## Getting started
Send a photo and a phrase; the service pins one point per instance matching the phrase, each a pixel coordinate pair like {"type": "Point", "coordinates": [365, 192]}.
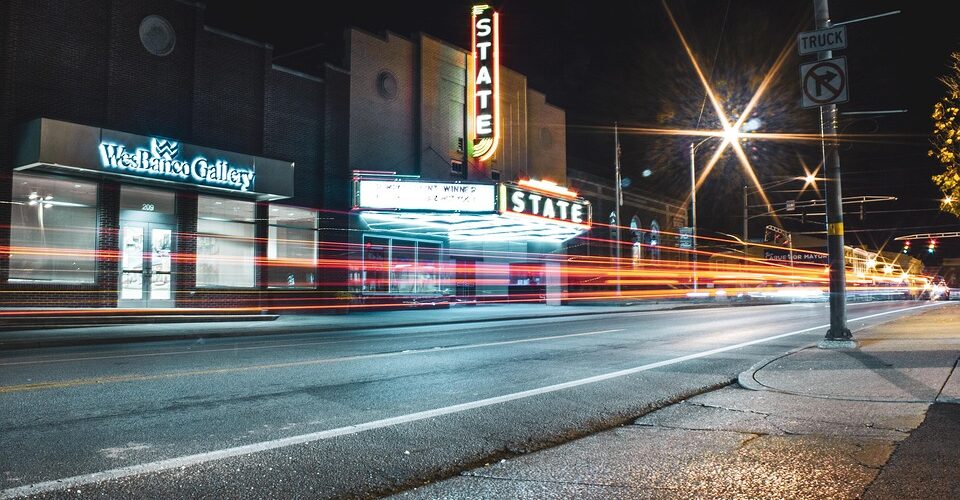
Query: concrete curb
{"type": "Point", "coordinates": [747, 379]}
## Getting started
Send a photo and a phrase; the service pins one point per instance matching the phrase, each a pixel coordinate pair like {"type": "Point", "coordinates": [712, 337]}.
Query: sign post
{"type": "Point", "coordinates": [686, 237]}
{"type": "Point", "coordinates": [824, 85]}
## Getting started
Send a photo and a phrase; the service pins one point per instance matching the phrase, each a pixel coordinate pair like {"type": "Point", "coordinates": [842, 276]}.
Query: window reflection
{"type": "Point", "coordinates": [53, 227]}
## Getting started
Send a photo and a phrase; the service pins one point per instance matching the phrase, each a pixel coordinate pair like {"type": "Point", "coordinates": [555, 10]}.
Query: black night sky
{"type": "Point", "coordinates": [606, 62]}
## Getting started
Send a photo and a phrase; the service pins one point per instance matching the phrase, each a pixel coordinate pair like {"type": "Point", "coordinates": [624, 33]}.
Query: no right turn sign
{"type": "Point", "coordinates": [824, 82]}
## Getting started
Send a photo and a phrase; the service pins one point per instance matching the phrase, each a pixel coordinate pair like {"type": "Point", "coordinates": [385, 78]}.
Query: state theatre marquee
{"type": "Point", "coordinates": [528, 210]}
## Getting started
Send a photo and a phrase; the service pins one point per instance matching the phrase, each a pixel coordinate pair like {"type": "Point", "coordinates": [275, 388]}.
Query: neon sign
{"type": "Point", "coordinates": [542, 204]}
{"type": "Point", "coordinates": [162, 160]}
{"type": "Point", "coordinates": [486, 81]}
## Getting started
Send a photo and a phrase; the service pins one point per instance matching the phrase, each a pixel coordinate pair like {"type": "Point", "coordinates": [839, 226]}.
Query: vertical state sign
{"type": "Point", "coordinates": [486, 81]}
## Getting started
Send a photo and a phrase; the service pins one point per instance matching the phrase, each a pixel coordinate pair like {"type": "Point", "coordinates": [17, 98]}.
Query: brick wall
{"type": "Point", "coordinates": [334, 220]}
{"type": "Point", "coordinates": [108, 243]}
{"type": "Point", "coordinates": [228, 96]}
{"type": "Point", "coordinates": [293, 128]}
{"type": "Point", "coordinates": [511, 156]}
{"type": "Point", "coordinates": [547, 140]}
{"type": "Point", "coordinates": [148, 94]}
{"type": "Point", "coordinates": [184, 265]}
{"type": "Point", "coordinates": [383, 128]}
{"type": "Point", "coordinates": [443, 80]}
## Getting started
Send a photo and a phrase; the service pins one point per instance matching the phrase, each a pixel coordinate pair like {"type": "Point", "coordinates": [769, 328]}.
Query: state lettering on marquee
{"type": "Point", "coordinates": [540, 204]}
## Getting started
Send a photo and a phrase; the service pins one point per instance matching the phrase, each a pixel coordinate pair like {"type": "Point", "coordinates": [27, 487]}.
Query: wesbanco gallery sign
{"type": "Point", "coordinates": [55, 145]}
{"type": "Point", "coordinates": [162, 159]}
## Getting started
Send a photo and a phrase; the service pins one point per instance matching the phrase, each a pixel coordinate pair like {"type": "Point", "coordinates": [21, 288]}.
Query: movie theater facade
{"type": "Point", "coordinates": [169, 164]}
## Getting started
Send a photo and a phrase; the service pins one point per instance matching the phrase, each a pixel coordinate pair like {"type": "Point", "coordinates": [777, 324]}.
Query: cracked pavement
{"type": "Point", "coordinates": [824, 424]}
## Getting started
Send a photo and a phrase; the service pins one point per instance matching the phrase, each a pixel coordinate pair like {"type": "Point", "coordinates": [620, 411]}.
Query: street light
{"type": "Point", "coordinates": [619, 198]}
{"type": "Point", "coordinates": [731, 134]}
{"type": "Point", "coordinates": [693, 202]}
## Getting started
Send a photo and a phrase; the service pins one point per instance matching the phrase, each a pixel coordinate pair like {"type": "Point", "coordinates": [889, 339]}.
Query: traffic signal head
{"type": "Point", "coordinates": [932, 246]}
{"type": "Point", "coordinates": [906, 246]}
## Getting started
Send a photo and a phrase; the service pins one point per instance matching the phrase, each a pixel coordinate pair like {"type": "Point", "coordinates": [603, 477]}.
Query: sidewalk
{"type": "Point", "coordinates": [880, 421]}
{"type": "Point", "coordinates": [12, 337]}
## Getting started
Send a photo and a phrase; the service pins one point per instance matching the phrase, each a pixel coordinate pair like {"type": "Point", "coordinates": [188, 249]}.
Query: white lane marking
{"type": "Point", "coordinates": [199, 458]}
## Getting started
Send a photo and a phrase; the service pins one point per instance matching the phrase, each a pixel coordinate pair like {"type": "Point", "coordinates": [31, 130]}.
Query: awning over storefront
{"type": "Point", "coordinates": [54, 145]}
{"type": "Point", "coordinates": [486, 227]}
{"type": "Point", "coordinates": [526, 211]}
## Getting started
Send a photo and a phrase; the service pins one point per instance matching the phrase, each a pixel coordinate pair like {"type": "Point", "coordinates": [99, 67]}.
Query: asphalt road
{"type": "Point", "coordinates": [362, 413]}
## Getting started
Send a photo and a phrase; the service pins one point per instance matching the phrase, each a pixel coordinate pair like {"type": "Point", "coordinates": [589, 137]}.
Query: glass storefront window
{"type": "Point", "coordinates": [403, 270]}
{"type": "Point", "coordinates": [376, 264]}
{"type": "Point", "coordinates": [292, 247]}
{"type": "Point", "coordinates": [53, 230]}
{"type": "Point", "coordinates": [428, 267]}
{"type": "Point", "coordinates": [401, 266]}
{"type": "Point", "coordinates": [225, 242]}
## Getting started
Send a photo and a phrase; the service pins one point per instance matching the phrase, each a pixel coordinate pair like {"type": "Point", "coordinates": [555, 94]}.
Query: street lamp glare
{"type": "Point", "coordinates": [810, 179]}
{"type": "Point", "coordinates": [751, 125]}
{"type": "Point", "coordinates": [731, 134]}
{"type": "Point", "coordinates": [948, 200]}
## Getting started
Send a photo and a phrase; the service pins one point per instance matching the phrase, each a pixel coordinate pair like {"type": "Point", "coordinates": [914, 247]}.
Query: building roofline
{"type": "Point", "coordinates": [294, 72]}
{"type": "Point", "coordinates": [234, 36]}
{"type": "Point", "coordinates": [421, 34]}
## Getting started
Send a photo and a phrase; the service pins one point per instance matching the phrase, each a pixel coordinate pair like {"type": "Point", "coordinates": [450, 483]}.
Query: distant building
{"type": "Point", "coordinates": [650, 224]}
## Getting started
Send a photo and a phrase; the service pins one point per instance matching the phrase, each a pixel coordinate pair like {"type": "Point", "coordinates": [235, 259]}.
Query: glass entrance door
{"type": "Point", "coordinates": [146, 278]}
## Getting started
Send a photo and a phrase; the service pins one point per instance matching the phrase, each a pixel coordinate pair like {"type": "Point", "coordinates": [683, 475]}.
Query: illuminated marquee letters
{"type": "Point", "coordinates": [486, 81]}
{"type": "Point", "coordinates": [162, 160]}
{"type": "Point", "coordinates": [372, 194]}
{"type": "Point", "coordinates": [546, 206]}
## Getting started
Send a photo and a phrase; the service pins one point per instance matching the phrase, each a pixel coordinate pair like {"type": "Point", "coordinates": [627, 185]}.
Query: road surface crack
{"type": "Point", "coordinates": [558, 481]}
{"type": "Point", "coordinates": [718, 407]}
{"type": "Point", "coordinates": [769, 417]}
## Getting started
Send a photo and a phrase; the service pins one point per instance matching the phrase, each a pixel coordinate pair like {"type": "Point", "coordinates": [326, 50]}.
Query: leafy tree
{"type": "Point", "coordinates": [946, 138]}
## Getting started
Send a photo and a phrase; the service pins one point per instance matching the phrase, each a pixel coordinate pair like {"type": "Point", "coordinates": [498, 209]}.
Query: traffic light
{"type": "Point", "coordinates": [932, 246]}
{"type": "Point", "coordinates": [906, 246]}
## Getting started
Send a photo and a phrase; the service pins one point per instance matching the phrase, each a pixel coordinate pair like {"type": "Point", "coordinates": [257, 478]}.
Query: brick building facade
{"type": "Point", "coordinates": [153, 69]}
{"type": "Point", "coordinates": [150, 160]}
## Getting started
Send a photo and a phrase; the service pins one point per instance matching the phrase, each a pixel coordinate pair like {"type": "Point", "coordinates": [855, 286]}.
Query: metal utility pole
{"type": "Point", "coordinates": [746, 217]}
{"type": "Point", "coordinates": [838, 335]}
{"type": "Point", "coordinates": [619, 199]}
{"type": "Point", "coordinates": [693, 208]}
